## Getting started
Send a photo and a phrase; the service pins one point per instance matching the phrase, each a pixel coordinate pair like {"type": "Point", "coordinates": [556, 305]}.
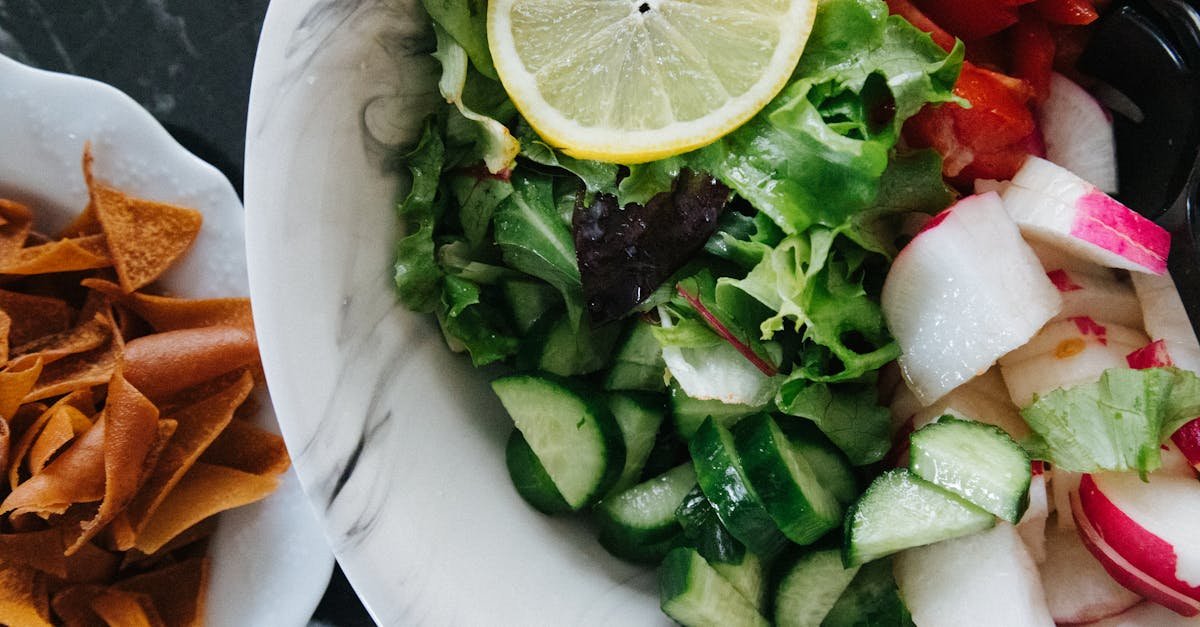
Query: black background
{"type": "Point", "coordinates": [189, 63]}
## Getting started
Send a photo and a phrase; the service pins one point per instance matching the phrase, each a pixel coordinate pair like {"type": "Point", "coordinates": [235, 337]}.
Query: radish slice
{"type": "Point", "coordinates": [1151, 527]}
{"type": "Point", "coordinates": [1067, 353]}
{"type": "Point", "coordinates": [1032, 526]}
{"type": "Point", "coordinates": [1054, 258]}
{"type": "Point", "coordinates": [1078, 589]}
{"type": "Point", "coordinates": [1079, 133]}
{"type": "Point", "coordinates": [981, 580]}
{"type": "Point", "coordinates": [964, 292]}
{"type": "Point", "coordinates": [1167, 320]}
{"type": "Point", "coordinates": [1063, 484]}
{"type": "Point", "coordinates": [1147, 614]}
{"type": "Point", "coordinates": [1056, 207]}
{"type": "Point", "coordinates": [1103, 298]}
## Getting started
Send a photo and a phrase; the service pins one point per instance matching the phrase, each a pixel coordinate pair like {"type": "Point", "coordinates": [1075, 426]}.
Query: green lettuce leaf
{"type": "Point", "coordinates": [497, 146]}
{"type": "Point", "coordinates": [468, 323]}
{"type": "Point", "coordinates": [596, 175]}
{"type": "Point", "coordinates": [848, 414]}
{"type": "Point", "coordinates": [1116, 423]}
{"type": "Point", "coordinates": [477, 198]}
{"type": "Point", "coordinates": [816, 153]}
{"type": "Point", "coordinates": [417, 274]}
{"type": "Point", "coordinates": [535, 240]}
{"type": "Point", "coordinates": [912, 183]}
{"type": "Point", "coordinates": [647, 180]}
{"type": "Point", "coordinates": [466, 22]}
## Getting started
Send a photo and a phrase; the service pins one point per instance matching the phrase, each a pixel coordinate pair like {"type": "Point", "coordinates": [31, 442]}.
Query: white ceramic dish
{"type": "Point", "coordinates": [270, 564]}
{"type": "Point", "coordinates": [398, 442]}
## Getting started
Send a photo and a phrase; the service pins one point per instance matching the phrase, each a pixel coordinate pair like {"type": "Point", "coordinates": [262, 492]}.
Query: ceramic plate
{"type": "Point", "coordinates": [270, 564]}
{"type": "Point", "coordinates": [398, 442]}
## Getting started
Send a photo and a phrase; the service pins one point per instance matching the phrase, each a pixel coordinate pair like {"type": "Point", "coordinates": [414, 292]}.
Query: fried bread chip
{"type": "Point", "coordinates": [122, 427]}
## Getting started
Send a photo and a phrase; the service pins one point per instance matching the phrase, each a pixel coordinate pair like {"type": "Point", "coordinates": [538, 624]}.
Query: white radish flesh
{"type": "Point", "coordinates": [1032, 525]}
{"type": "Point", "coordinates": [1078, 133]}
{"type": "Point", "coordinates": [1103, 298]}
{"type": "Point", "coordinates": [1067, 353]}
{"type": "Point", "coordinates": [963, 293]}
{"type": "Point", "coordinates": [1058, 208]}
{"type": "Point", "coordinates": [1167, 320]}
{"type": "Point", "coordinates": [1078, 589]}
{"type": "Point", "coordinates": [981, 580]}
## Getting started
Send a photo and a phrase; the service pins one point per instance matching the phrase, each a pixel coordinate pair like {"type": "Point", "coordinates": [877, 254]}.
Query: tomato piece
{"type": "Point", "coordinates": [910, 12]}
{"type": "Point", "coordinates": [991, 139]}
{"type": "Point", "coordinates": [970, 19]}
{"type": "Point", "coordinates": [1072, 12]}
{"type": "Point", "coordinates": [1033, 50]}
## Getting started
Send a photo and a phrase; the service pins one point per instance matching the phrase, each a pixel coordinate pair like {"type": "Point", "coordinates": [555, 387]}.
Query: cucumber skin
{"type": "Point", "coordinates": [614, 440]}
{"type": "Point", "coordinates": [830, 464]}
{"type": "Point", "coordinates": [703, 530]}
{"type": "Point", "coordinates": [721, 479]}
{"type": "Point", "coordinates": [761, 446]}
{"type": "Point", "coordinates": [680, 570]}
{"type": "Point", "coordinates": [642, 544]}
{"type": "Point", "coordinates": [529, 477]}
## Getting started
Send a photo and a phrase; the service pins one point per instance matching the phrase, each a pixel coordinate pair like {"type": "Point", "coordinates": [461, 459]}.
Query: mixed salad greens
{"type": "Point", "coordinates": [699, 343]}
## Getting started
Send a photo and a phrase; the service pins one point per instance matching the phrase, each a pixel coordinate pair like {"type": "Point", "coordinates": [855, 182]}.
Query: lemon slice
{"type": "Point", "coordinates": [631, 81]}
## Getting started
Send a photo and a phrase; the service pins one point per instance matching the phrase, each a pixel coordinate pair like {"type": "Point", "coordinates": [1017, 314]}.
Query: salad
{"type": "Point", "coordinates": [832, 322]}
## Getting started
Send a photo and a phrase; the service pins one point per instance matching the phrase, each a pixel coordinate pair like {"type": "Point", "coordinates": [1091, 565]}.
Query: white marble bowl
{"type": "Point", "coordinates": [398, 442]}
{"type": "Point", "coordinates": [270, 563]}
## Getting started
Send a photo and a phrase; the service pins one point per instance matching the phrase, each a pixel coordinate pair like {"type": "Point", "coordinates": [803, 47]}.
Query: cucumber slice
{"type": "Point", "coordinates": [576, 440]}
{"type": "Point", "coordinates": [784, 481]}
{"type": "Point", "coordinates": [871, 599]}
{"type": "Point", "coordinates": [639, 418]}
{"type": "Point", "coordinates": [637, 523]}
{"type": "Point", "coordinates": [721, 478]}
{"type": "Point", "coordinates": [638, 363]}
{"type": "Point", "coordinates": [703, 530]}
{"type": "Point", "coordinates": [810, 587]}
{"type": "Point", "coordinates": [695, 595]}
{"type": "Point", "coordinates": [529, 477]}
{"type": "Point", "coordinates": [747, 576]}
{"type": "Point", "coordinates": [976, 461]}
{"type": "Point", "coordinates": [829, 463]}
{"type": "Point", "coordinates": [900, 511]}
{"type": "Point", "coordinates": [668, 452]}
{"type": "Point", "coordinates": [528, 301]}
{"type": "Point", "coordinates": [689, 412]}
{"type": "Point", "coordinates": [571, 351]}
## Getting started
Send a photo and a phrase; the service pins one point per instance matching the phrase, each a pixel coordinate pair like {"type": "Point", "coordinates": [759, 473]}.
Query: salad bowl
{"type": "Point", "coordinates": [398, 442]}
{"type": "Point", "coordinates": [269, 561]}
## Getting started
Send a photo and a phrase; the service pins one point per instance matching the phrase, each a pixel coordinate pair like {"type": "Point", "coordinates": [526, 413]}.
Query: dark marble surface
{"type": "Point", "coordinates": [189, 63]}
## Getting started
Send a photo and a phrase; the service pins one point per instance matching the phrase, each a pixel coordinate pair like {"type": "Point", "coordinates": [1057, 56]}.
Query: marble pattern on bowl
{"type": "Point", "coordinates": [398, 442]}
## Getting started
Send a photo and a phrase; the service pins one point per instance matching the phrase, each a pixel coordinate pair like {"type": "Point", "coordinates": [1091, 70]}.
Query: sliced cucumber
{"type": "Point", "coordinates": [810, 587]}
{"type": "Point", "coordinates": [639, 417]}
{"type": "Point", "coordinates": [900, 511]}
{"type": "Point", "coordinates": [576, 439]}
{"type": "Point", "coordinates": [528, 301]}
{"type": "Point", "coordinates": [784, 481]}
{"type": "Point", "coordinates": [977, 461]}
{"type": "Point", "coordinates": [529, 476]}
{"type": "Point", "coordinates": [694, 594]}
{"type": "Point", "coordinates": [829, 463]}
{"type": "Point", "coordinates": [635, 524]}
{"type": "Point", "coordinates": [703, 530]}
{"type": "Point", "coordinates": [689, 412]}
{"type": "Point", "coordinates": [721, 478]}
{"type": "Point", "coordinates": [556, 346]}
{"type": "Point", "coordinates": [668, 452]}
{"type": "Point", "coordinates": [871, 599]}
{"type": "Point", "coordinates": [638, 363]}
{"type": "Point", "coordinates": [747, 576]}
